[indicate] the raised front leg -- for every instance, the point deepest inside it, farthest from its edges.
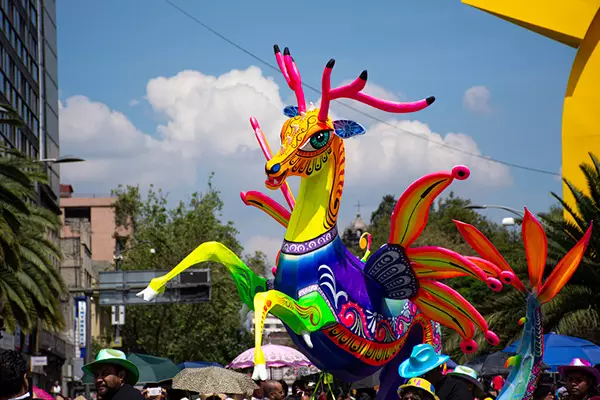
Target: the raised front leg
(308, 314)
(248, 283)
(268, 205)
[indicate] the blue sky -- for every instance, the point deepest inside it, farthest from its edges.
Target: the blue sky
(110, 50)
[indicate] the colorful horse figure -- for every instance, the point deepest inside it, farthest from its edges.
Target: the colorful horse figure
(349, 317)
(526, 365)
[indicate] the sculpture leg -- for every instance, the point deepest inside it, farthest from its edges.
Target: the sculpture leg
(248, 283)
(308, 314)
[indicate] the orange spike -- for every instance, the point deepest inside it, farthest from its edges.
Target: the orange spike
(536, 249)
(487, 250)
(565, 269)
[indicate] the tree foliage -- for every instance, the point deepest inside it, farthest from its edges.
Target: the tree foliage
(30, 284)
(210, 331)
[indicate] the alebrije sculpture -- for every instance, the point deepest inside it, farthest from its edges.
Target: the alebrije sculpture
(526, 364)
(351, 317)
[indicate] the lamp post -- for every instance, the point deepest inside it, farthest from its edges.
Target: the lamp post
(485, 206)
(118, 257)
(61, 160)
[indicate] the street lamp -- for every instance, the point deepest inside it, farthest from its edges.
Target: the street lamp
(61, 160)
(485, 206)
(120, 310)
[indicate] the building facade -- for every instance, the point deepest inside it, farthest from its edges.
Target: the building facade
(29, 82)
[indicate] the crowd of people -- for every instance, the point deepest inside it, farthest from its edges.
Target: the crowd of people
(425, 373)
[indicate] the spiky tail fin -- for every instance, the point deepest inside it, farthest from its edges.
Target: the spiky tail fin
(564, 269)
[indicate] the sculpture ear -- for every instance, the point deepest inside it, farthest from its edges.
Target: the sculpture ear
(290, 111)
(346, 129)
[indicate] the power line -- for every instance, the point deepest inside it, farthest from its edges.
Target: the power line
(379, 120)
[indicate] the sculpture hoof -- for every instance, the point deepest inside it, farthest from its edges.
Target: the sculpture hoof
(492, 338)
(494, 284)
(307, 340)
(468, 346)
(460, 172)
(147, 294)
(507, 277)
(260, 372)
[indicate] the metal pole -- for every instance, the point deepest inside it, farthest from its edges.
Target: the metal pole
(88, 336)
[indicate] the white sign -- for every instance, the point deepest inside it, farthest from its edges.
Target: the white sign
(81, 317)
(118, 315)
(39, 361)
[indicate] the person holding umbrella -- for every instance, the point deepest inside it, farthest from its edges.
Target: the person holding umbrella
(469, 376)
(582, 380)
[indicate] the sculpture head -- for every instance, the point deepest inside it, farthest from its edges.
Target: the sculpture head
(309, 137)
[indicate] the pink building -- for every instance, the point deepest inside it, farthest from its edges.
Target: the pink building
(99, 213)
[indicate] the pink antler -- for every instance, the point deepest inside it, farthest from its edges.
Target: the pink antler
(353, 91)
(290, 72)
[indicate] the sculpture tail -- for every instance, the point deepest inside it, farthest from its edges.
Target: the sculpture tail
(526, 365)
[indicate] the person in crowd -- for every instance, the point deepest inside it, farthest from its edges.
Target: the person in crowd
(543, 392)
(582, 379)
(471, 378)
(273, 390)
(426, 363)
(417, 389)
(258, 393)
(285, 387)
(114, 376)
(13, 376)
(56, 389)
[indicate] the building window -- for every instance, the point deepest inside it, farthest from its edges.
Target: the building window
(33, 15)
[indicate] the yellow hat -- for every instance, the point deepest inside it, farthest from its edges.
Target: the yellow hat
(418, 383)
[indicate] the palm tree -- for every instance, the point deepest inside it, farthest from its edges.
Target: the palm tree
(576, 311)
(30, 285)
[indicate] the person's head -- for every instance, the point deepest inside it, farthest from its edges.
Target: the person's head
(108, 378)
(273, 390)
(417, 389)
(111, 371)
(424, 361)
(13, 379)
(298, 387)
(284, 387)
(543, 392)
(581, 378)
(470, 377)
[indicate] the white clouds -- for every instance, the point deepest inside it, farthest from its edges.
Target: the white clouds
(213, 112)
(477, 99)
(133, 102)
(398, 148)
(115, 150)
(206, 129)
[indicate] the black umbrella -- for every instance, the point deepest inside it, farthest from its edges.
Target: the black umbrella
(492, 364)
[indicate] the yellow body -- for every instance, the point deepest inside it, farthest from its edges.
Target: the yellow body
(575, 23)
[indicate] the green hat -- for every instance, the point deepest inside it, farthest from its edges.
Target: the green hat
(114, 357)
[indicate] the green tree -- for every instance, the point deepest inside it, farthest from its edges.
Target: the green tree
(209, 331)
(30, 285)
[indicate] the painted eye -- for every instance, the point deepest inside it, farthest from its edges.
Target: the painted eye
(317, 141)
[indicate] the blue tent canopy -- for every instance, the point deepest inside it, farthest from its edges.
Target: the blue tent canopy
(560, 350)
(198, 364)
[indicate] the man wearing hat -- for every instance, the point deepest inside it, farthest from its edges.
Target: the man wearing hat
(426, 363)
(581, 378)
(114, 376)
(469, 376)
(419, 386)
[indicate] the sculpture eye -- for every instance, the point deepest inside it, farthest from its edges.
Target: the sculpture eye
(317, 141)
